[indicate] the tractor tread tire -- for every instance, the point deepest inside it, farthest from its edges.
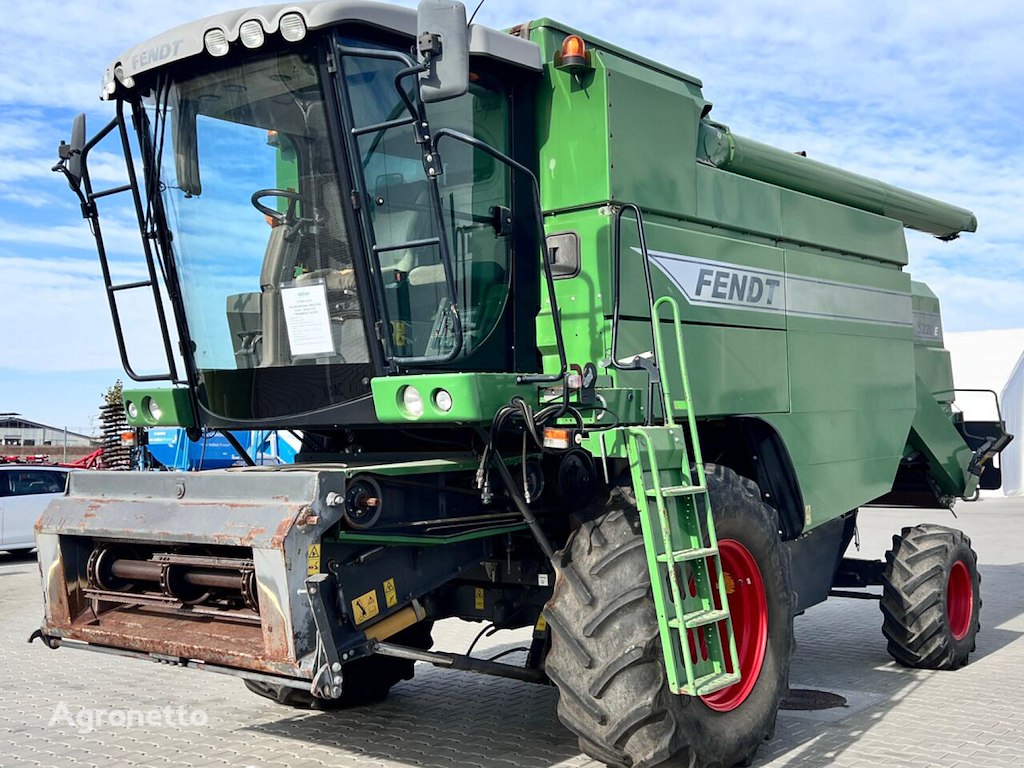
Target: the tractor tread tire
(606, 656)
(914, 597)
(365, 681)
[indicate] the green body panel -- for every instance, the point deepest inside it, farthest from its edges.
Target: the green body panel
(930, 358)
(934, 435)
(475, 396)
(174, 406)
(593, 147)
(932, 431)
(758, 208)
(831, 362)
(844, 425)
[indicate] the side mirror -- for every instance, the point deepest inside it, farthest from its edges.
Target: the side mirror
(71, 153)
(443, 43)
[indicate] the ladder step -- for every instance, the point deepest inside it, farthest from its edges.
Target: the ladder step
(680, 405)
(686, 555)
(696, 619)
(131, 286)
(676, 490)
(716, 681)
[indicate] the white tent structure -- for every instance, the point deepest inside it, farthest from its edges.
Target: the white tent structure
(993, 360)
(1013, 411)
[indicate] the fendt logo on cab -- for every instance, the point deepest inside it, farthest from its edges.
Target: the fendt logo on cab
(729, 285)
(150, 56)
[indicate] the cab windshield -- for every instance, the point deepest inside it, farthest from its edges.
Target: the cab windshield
(269, 270)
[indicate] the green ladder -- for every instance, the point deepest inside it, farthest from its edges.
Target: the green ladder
(679, 536)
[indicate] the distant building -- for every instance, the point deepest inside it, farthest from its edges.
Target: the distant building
(15, 430)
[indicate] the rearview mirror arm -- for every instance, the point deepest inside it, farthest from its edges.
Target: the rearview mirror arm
(80, 184)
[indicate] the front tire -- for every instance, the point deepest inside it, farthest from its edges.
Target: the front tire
(365, 681)
(931, 599)
(606, 657)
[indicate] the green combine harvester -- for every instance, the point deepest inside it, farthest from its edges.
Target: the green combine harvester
(462, 265)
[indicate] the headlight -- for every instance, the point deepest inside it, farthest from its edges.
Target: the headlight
(293, 28)
(251, 34)
(131, 409)
(152, 409)
(443, 400)
(216, 42)
(412, 402)
(126, 80)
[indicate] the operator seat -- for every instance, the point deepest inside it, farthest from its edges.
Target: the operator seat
(252, 316)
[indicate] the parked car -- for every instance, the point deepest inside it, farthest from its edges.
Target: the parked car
(25, 490)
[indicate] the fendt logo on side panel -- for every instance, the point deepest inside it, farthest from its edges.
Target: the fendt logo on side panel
(733, 286)
(717, 284)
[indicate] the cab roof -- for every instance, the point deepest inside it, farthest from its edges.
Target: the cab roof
(187, 40)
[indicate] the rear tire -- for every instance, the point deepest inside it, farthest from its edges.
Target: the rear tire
(365, 681)
(931, 599)
(606, 657)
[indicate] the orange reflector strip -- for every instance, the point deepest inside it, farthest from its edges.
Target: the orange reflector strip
(556, 438)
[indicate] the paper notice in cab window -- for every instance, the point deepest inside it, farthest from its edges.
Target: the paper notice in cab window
(309, 325)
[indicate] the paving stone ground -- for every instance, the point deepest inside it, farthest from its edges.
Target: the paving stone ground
(894, 717)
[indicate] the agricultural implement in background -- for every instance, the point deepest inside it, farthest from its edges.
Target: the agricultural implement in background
(462, 265)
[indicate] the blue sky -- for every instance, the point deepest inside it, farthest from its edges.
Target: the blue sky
(924, 95)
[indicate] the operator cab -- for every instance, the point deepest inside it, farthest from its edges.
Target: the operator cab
(290, 194)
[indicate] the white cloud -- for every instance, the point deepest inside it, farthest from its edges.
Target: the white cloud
(56, 53)
(120, 236)
(60, 318)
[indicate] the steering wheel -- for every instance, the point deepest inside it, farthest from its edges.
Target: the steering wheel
(288, 217)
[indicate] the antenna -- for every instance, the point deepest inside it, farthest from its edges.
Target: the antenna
(473, 16)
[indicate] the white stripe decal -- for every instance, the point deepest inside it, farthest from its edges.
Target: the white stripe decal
(708, 283)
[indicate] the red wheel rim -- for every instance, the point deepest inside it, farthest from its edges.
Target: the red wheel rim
(749, 608)
(959, 600)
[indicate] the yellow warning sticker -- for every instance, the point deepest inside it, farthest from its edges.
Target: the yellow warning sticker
(400, 333)
(313, 560)
(390, 593)
(541, 624)
(365, 607)
(479, 600)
